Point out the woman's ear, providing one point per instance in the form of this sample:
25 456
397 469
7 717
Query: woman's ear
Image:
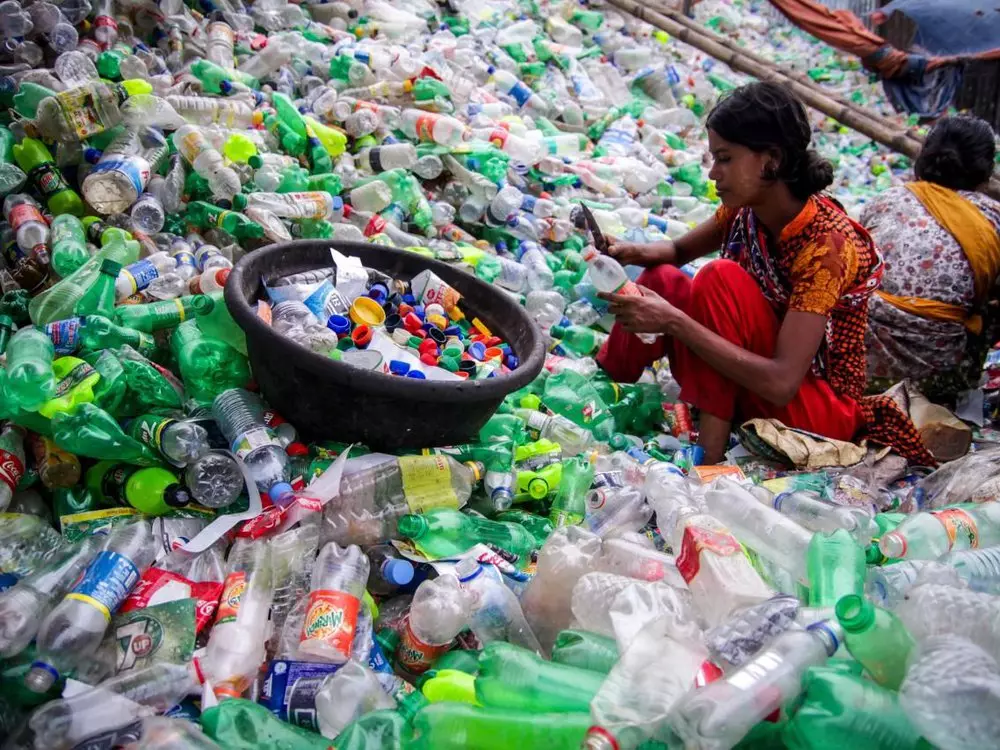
772 165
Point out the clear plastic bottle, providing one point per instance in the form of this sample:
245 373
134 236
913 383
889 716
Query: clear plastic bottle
573 439
813 513
25 605
929 535
72 632
25 218
383 158
353 691
139 275
719 715
429 126
495 613
439 612
337 585
372 196
203 110
611 512
768 532
240 415
952 694
750 629
147 214
305 205
532 257
206 161
932 609
980 568
215 480
236 646
119 178
607 275
11 462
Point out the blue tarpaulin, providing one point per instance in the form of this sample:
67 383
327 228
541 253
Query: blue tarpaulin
952 27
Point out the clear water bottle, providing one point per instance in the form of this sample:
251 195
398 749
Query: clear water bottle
337 586
438 613
214 480
933 609
147 214
351 692
72 632
607 275
929 535
720 714
532 257
750 629
24 606
236 646
495 613
206 161
813 513
980 568
240 415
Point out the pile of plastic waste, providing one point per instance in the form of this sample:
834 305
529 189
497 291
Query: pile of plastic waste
178 569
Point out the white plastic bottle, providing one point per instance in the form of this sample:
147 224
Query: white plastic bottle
429 126
337 586
495 614
349 693
929 535
206 161
607 275
439 612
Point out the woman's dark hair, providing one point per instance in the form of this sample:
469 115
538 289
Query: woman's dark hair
958 153
765 116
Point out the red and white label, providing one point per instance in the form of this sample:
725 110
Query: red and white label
696 540
159 586
11 469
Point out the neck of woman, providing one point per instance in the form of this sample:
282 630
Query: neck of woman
778 208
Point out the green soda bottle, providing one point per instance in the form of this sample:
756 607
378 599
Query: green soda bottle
6 331
12 178
30 378
168 313
29 95
239 724
208 366
218 80
570 504
69 244
443 532
206 216
380 729
586 650
36 161
836 567
152 490
876 638
218 323
458 726
540 528
67 501
98 332
90 431
842 710
99 298
514 678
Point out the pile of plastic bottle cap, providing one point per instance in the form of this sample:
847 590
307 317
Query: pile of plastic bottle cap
178 569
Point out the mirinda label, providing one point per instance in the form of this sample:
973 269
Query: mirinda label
331 618
232 595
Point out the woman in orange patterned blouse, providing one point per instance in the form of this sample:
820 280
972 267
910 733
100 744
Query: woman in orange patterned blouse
776 327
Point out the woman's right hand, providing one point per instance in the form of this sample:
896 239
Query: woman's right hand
647 254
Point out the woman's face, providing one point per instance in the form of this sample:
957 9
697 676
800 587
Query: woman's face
737 172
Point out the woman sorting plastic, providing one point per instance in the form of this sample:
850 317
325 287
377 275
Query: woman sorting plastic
931 321
775 328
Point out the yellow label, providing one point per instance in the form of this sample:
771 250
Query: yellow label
97 515
427 483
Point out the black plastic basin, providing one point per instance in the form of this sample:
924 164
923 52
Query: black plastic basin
332 400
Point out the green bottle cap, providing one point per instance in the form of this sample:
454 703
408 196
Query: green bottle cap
557 331
111 267
239 201
855 613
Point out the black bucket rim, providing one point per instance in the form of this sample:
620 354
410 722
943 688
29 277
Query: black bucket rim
486 389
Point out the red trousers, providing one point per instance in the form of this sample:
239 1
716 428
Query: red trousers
726 299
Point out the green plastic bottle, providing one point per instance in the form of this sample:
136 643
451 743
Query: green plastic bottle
153 490
206 216
67 501
578 339
443 532
30 379
876 638
384 729
207 365
98 332
239 724
836 567
842 710
169 313
6 331
539 527
570 504
99 297
90 431
514 678
218 323
36 161
586 650
69 244
218 80
459 726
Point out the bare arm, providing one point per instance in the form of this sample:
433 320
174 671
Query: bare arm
776 379
702 240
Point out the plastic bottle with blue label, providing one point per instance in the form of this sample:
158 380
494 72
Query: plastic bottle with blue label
73 631
241 418
120 177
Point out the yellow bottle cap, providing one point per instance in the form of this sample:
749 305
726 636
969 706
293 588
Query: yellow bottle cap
366 311
451 685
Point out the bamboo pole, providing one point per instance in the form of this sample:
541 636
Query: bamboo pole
852 116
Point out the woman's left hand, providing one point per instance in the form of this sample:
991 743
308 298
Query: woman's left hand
649 313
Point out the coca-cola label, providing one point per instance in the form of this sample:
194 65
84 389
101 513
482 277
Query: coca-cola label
158 586
11 469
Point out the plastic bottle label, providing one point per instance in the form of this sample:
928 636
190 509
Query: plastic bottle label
331 617
185 259
136 171
427 483
11 469
48 179
140 274
424 127
107 582
960 527
78 108
415 655
148 430
24 213
232 595
158 586
694 541
114 480
65 335
250 441
520 93
78 375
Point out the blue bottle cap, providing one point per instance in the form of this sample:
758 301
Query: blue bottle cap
478 350
338 203
225 87
453 331
280 493
512 361
416 375
339 324
419 311
409 299
397 572
398 367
